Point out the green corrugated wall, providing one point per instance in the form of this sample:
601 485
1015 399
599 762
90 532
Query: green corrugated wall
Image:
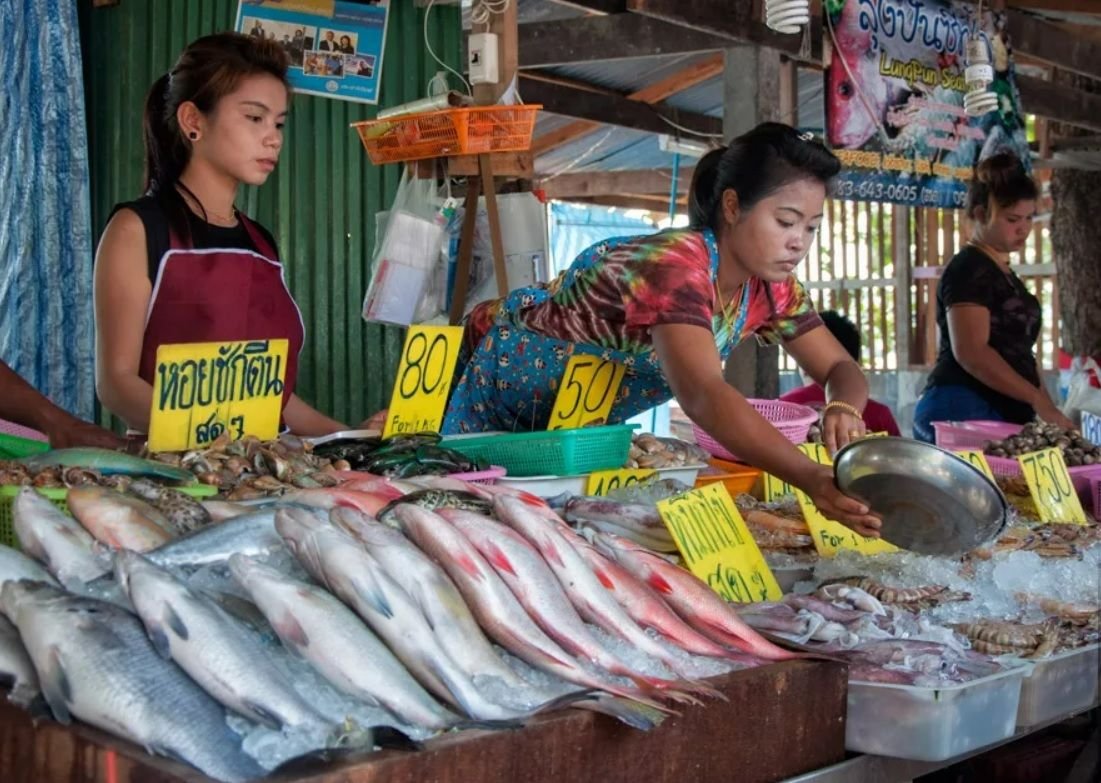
319 203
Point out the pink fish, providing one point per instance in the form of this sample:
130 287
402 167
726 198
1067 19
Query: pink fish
369 503
689 597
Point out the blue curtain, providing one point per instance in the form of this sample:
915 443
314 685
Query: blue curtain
574 227
46 325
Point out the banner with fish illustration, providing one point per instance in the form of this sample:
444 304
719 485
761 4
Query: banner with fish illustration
894 99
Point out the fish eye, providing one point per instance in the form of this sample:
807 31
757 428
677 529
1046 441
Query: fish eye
845 90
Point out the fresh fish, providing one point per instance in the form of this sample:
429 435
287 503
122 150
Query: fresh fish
655 543
342 565
317 626
502 617
120 521
693 600
16 670
54 539
433 499
14 565
631 516
833 613
218 653
221 510
368 502
449 484
108 463
591 598
183 512
96 664
249 534
392 488
647 609
442 604
521 567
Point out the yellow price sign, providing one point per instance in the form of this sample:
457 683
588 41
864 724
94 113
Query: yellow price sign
424 379
587 392
978 459
1051 487
775 488
601 482
715 542
204 390
831 537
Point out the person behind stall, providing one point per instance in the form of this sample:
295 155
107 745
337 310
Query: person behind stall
988 320
182 264
877 416
670 306
22 404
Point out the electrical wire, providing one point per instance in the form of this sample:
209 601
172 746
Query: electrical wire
683 129
482 10
432 54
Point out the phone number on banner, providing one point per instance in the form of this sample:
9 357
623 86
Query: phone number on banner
899 193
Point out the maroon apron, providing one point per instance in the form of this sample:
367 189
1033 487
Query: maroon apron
221 295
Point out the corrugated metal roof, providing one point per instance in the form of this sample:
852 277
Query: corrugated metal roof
628 75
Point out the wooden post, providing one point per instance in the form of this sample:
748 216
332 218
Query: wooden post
466 250
490 190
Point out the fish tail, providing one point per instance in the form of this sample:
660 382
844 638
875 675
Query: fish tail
673 690
633 713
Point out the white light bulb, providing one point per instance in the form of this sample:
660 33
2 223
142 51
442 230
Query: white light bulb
979 75
787 16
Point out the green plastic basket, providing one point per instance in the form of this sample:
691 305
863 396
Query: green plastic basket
550 453
14 447
57 495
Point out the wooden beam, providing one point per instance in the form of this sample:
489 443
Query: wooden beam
697 72
613 109
1059 102
592 38
590 184
595 6
734 21
1064 6
653 204
1038 39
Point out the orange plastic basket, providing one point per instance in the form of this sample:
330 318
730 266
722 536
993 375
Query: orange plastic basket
468 131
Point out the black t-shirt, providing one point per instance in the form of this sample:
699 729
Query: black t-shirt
204 236
972 277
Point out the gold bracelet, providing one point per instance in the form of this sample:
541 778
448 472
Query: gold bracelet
844 407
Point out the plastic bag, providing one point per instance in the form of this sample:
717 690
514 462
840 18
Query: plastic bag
409 239
1084 390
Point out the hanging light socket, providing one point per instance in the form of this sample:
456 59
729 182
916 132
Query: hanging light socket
787 16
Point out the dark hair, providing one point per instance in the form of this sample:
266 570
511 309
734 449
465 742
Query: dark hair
844 331
210 68
754 165
1001 181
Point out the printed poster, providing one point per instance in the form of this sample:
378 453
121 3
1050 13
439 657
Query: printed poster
335 46
894 99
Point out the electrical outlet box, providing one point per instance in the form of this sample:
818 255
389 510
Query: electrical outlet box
482 61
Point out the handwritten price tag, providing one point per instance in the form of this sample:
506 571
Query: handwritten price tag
204 390
715 542
1051 487
602 482
587 393
978 459
424 379
776 488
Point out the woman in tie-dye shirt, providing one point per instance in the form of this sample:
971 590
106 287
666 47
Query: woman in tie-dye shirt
671 306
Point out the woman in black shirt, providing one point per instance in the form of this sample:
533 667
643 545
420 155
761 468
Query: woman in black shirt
988 321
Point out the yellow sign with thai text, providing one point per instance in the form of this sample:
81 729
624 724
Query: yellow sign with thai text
601 482
204 390
978 459
1051 487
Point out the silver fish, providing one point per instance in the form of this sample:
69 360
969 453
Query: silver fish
329 635
183 512
16 669
250 534
108 463
14 565
225 659
342 565
96 664
54 539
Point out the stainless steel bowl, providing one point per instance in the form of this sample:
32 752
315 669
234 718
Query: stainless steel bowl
930 500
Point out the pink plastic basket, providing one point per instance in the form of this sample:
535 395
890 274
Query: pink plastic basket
488 476
792 420
1095 496
19 431
972 435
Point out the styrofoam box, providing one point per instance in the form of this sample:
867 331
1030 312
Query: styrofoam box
549 486
932 724
1059 685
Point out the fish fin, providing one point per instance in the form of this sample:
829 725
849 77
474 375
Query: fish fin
173 621
604 579
635 714
261 714
160 641
550 552
56 687
373 595
469 566
499 559
657 581
292 632
239 608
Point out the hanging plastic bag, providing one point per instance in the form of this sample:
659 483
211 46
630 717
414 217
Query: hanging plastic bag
1084 390
409 238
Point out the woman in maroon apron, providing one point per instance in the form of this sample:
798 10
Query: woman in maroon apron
181 264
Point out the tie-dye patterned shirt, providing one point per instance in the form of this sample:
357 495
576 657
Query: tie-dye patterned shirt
616 290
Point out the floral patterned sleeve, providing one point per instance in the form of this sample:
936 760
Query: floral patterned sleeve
794 314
